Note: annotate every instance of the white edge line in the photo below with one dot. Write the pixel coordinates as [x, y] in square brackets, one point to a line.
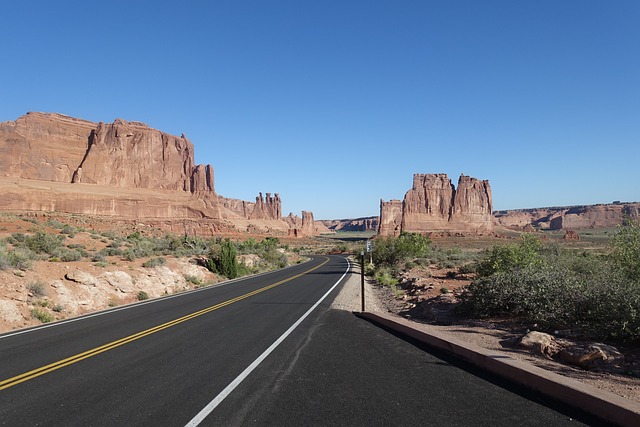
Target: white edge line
[244, 374]
[138, 304]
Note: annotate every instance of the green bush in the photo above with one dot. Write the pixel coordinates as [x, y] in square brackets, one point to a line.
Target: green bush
[142, 295]
[42, 315]
[384, 277]
[21, 258]
[42, 242]
[626, 249]
[501, 258]
[389, 251]
[228, 262]
[560, 288]
[67, 255]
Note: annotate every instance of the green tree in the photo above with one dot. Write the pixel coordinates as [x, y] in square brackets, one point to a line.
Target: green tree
[228, 261]
[626, 249]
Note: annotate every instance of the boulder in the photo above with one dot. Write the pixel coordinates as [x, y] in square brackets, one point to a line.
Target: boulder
[540, 343]
[81, 277]
[591, 355]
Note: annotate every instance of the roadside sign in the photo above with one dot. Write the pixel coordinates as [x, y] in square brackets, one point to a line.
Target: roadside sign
[369, 246]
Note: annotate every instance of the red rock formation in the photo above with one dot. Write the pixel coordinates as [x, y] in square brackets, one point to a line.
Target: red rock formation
[267, 208]
[356, 224]
[472, 205]
[202, 180]
[573, 217]
[121, 170]
[434, 204]
[42, 146]
[390, 218]
[427, 206]
[308, 224]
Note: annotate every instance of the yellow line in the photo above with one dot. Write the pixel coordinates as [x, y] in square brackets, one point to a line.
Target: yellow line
[10, 382]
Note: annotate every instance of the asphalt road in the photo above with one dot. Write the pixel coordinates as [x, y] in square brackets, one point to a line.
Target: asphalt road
[244, 354]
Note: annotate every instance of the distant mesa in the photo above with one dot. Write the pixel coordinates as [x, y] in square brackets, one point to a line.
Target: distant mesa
[569, 217]
[433, 204]
[124, 170]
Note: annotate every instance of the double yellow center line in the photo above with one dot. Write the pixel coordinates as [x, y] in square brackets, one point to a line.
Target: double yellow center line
[10, 382]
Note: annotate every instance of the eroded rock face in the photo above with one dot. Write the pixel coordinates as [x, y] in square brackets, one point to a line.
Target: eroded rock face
[358, 224]
[390, 218]
[41, 146]
[267, 208]
[433, 204]
[569, 217]
[131, 154]
[121, 169]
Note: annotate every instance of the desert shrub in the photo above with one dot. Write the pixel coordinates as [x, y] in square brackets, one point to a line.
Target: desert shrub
[139, 249]
[194, 280]
[99, 257]
[385, 277]
[42, 315]
[42, 242]
[467, 268]
[53, 223]
[389, 251]
[21, 258]
[248, 246]
[69, 230]
[536, 294]
[17, 238]
[110, 251]
[154, 262]
[142, 295]
[36, 288]
[66, 255]
[501, 258]
[559, 288]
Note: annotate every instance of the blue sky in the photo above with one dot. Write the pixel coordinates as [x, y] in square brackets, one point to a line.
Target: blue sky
[336, 104]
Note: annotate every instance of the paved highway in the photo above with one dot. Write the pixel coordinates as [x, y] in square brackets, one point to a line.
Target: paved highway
[267, 350]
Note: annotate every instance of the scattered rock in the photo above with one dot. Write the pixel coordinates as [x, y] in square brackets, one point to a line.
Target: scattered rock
[81, 277]
[9, 311]
[540, 343]
[591, 355]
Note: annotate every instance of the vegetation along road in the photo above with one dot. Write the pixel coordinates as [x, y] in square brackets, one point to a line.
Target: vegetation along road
[266, 350]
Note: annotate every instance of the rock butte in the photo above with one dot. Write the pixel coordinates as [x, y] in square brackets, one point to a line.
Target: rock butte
[50, 162]
[433, 204]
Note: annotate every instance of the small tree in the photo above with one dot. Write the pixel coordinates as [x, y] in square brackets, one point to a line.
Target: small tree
[228, 261]
[224, 261]
[626, 249]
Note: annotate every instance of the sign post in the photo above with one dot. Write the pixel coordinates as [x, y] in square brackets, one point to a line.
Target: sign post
[362, 279]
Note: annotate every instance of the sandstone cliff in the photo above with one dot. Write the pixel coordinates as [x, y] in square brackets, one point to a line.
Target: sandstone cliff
[305, 226]
[126, 170]
[569, 217]
[433, 205]
[356, 224]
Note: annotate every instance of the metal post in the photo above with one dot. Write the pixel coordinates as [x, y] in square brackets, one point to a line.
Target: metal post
[362, 279]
